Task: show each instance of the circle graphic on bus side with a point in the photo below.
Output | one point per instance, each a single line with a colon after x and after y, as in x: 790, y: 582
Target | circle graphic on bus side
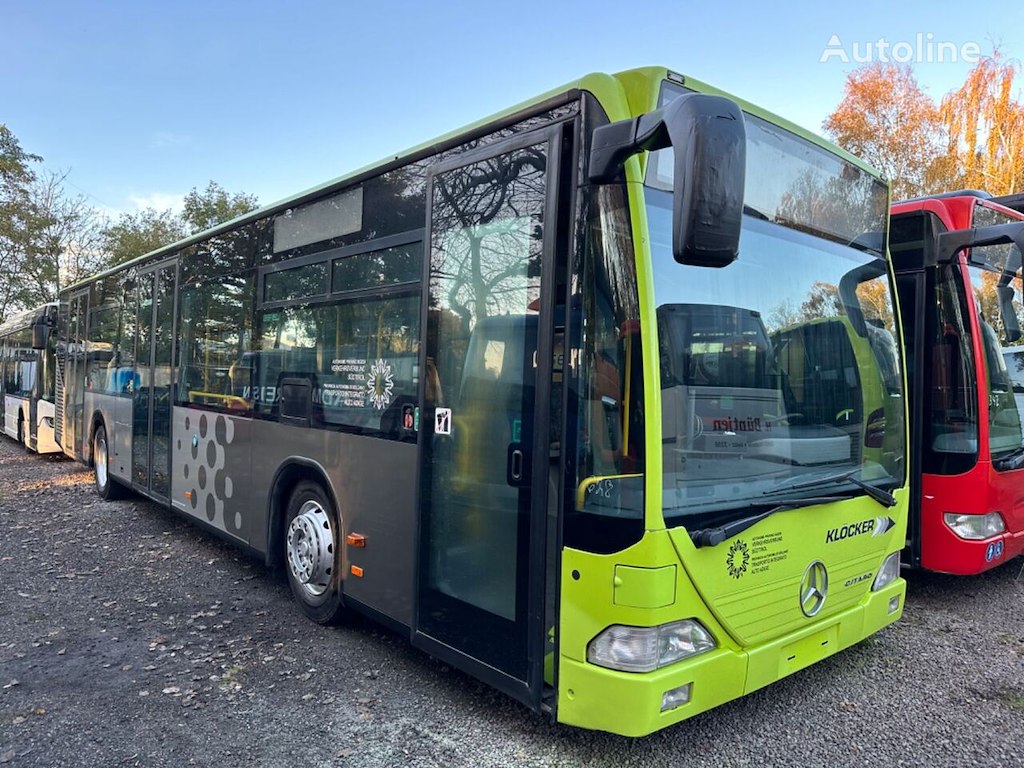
x: 202, y: 459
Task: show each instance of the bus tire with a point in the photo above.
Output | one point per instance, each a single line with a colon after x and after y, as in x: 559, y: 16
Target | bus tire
x: 107, y: 488
x: 312, y: 553
x: 22, y: 437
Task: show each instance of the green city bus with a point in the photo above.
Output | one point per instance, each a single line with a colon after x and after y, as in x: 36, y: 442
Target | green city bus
x: 516, y: 394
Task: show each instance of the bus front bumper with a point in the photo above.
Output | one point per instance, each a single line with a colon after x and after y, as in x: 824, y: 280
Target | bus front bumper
x: 630, y: 704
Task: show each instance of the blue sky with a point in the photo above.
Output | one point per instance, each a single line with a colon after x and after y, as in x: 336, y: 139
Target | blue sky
x: 142, y: 101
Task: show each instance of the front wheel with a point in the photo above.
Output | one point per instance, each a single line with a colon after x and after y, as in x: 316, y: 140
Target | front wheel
x: 313, y: 553
x: 106, y: 487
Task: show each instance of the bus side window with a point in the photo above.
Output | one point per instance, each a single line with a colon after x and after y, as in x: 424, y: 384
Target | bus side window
x: 945, y: 364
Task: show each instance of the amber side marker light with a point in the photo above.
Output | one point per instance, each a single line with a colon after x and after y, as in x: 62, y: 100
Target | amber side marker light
x: 356, y: 540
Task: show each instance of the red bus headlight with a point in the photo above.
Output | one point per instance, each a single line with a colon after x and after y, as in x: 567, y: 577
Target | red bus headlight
x: 975, y: 527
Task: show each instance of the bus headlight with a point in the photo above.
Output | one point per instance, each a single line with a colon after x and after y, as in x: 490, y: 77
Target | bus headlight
x: 975, y: 527
x: 645, y: 649
x: 48, y: 421
x: 887, y: 573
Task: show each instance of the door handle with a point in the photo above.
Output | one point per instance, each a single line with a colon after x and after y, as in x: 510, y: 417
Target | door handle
x: 515, y: 467
x: 517, y: 470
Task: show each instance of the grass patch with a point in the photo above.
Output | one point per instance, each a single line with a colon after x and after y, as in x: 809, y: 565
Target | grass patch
x: 1012, y: 697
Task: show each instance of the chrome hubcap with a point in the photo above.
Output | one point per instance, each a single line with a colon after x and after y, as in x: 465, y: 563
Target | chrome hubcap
x: 101, y: 462
x: 311, y: 548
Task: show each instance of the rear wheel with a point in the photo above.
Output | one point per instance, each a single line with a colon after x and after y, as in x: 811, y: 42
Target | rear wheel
x: 23, y: 435
x: 312, y: 553
x: 106, y: 486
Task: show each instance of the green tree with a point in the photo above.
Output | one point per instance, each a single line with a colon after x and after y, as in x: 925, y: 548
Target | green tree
x: 213, y: 206
x: 139, y: 233
x: 62, y: 243
x: 135, y: 234
x: 16, y: 178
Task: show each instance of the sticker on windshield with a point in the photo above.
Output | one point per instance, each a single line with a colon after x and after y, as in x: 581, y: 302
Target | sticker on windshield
x: 443, y: 421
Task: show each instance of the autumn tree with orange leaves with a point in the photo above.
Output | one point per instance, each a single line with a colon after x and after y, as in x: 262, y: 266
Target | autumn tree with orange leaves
x: 973, y: 138
x: 886, y: 119
x: 985, y: 128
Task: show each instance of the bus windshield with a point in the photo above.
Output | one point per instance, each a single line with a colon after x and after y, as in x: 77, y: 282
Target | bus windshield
x: 782, y: 367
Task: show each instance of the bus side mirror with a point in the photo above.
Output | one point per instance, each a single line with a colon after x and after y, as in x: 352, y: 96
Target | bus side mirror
x: 951, y: 243
x: 40, y: 335
x: 1011, y: 325
x: 848, y: 285
x: 708, y: 136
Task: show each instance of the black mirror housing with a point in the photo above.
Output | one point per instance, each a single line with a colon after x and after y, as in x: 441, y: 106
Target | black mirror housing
x: 708, y: 136
x: 40, y: 335
x: 1011, y: 325
x: 951, y: 243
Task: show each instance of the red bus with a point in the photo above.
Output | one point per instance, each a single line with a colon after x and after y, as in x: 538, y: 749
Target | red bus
x: 961, y: 315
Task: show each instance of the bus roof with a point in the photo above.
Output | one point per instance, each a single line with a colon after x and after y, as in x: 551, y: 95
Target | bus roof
x: 26, y: 318
x: 623, y: 95
x: 954, y: 208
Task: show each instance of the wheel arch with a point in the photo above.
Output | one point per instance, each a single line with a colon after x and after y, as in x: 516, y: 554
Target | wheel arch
x: 24, y: 428
x: 292, y: 471
x: 96, y: 420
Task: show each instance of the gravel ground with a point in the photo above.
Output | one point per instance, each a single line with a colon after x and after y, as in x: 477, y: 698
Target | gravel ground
x: 128, y: 637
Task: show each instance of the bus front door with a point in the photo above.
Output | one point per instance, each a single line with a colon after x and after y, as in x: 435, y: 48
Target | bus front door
x: 153, y: 380
x: 487, y: 379
x: 74, y: 375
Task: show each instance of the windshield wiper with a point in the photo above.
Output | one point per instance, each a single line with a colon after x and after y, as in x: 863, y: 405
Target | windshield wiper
x: 750, y: 211
x: 710, y: 537
x: 1012, y: 460
x: 880, y: 495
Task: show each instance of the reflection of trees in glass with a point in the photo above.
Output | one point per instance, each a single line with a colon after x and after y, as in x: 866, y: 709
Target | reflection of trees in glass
x: 984, y: 285
x: 389, y: 266
x: 823, y: 300
x: 876, y: 301
x: 362, y: 329
x: 841, y: 208
x: 987, y: 301
x: 296, y: 283
x: 215, y: 332
x: 487, y: 234
x: 1013, y: 357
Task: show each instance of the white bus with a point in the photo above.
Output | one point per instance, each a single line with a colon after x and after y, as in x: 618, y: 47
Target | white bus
x: 27, y: 355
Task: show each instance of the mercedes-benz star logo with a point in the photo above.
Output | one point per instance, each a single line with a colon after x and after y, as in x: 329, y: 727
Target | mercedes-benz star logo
x: 813, y: 588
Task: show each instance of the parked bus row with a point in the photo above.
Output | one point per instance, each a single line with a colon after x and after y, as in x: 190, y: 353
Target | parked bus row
x: 600, y: 400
